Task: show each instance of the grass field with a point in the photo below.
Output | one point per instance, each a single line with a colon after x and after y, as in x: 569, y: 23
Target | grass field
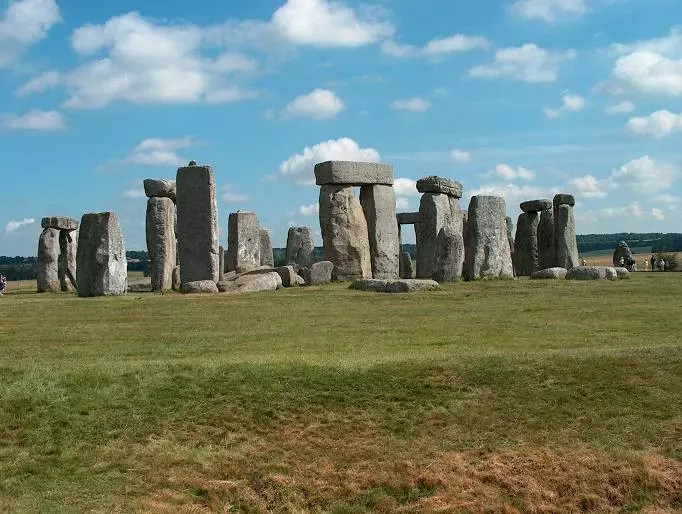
x: 494, y: 396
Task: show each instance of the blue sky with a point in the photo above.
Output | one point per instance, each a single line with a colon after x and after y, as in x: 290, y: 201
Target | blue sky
x: 521, y: 98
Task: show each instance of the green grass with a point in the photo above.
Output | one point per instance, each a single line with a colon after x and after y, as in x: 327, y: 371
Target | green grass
x: 536, y: 396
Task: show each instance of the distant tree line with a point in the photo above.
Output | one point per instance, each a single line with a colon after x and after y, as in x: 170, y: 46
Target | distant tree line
x: 594, y: 242
x: 668, y: 243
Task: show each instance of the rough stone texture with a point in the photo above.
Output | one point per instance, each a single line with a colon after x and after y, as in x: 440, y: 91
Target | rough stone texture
x: 439, y: 185
x: 510, y: 237
x: 318, y: 274
x: 623, y: 251
x: 221, y: 264
x: 300, y: 246
x: 288, y: 275
x: 564, y: 199
x: 449, y: 255
x: 435, y: 212
x: 611, y: 273
x: 199, y: 287
x: 465, y: 237
x: 101, y: 256
x: 270, y: 281
x: 395, y: 286
x: 197, y: 224
x: 488, y: 252
x: 406, y: 265
x: 267, y: 258
x: 566, y: 244
x: 526, y: 257
x: 407, y: 218
x: 68, y: 248
x: 176, y: 278
x: 557, y: 273
x: 48, y: 261
x: 155, y: 188
x: 546, y: 251
x: 227, y: 286
x: 243, y: 242
x: 59, y: 223
x: 592, y: 273
x: 353, y: 173
x: 344, y: 233
x: 622, y: 273
x: 378, y: 204
x: 537, y: 205
x: 161, y: 243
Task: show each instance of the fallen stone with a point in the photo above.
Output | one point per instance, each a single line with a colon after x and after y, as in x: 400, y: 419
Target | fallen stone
x: 318, y: 274
x: 378, y: 204
x: 199, y: 287
x: 300, y: 246
x: 449, y: 255
x: 488, y: 251
x: 536, y: 205
x: 407, y: 218
x: 259, y: 282
x: 592, y: 273
x: 288, y: 275
x: 140, y: 287
x: 564, y: 199
x: 623, y: 273
x: 439, y: 185
x: 161, y: 242
x: 611, y: 273
x: 59, y: 223
x: 394, y: 286
x: 227, y: 286
x: 244, y: 278
x: 156, y: 188
x: 406, y: 266
x: 243, y: 242
x: 549, y: 273
x: 353, y: 173
x: 68, y: 249
x: 267, y: 257
x: 48, y: 261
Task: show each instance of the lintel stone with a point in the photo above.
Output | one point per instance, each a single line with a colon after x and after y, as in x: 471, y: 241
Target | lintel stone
x: 536, y: 205
x: 408, y: 218
x: 441, y: 185
x: 59, y: 223
x: 353, y: 173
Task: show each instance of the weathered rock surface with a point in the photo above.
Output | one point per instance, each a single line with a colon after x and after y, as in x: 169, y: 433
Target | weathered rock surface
x: 591, y: 273
x: 243, y: 242
x: 439, y: 185
x: 407, y: 218
x: 197, y: 226
x: 488, y: 252
x: 156, y: 188
x: 510, y: 237
x: 406, y: 266
x: 564, y: 199
x: 199, y: 287
x: 300, y: 246
x: 611, y: 273
x: 526, y: 256
x: 101, y: 256
x: 449, y: 255
x: 543, y: 204
x: 288, y: 276
x: 267, y: 258
x: 227, y: 286
x: 549, y: 273
x: 318, y: 274
x: 68, y: 248
x: 395, y: 286
x: 176, y: 278
x: 161, y: 242
x: 623, y: 257
x: 378, y: 204
x: 566, y: 244
x: 546, y: 251
x: 344, y: 233
x: 435, y: 212
x: 48, y: 261
x: 221, y: 263
x: 622, y: 273
x: 353, y: 173
x: 59, y: 223
x: 269, y: 281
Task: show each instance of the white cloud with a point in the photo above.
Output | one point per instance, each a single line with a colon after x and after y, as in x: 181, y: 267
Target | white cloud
x: 320, y: 104
x: 23, y: 24
x: 402, y: 204
x: 460, y: 156
x: 657, y: 214
x: 570, y: 102
x: 646, y: 175
x: 549, y: 10
x: 658, y: 124
x: 41, y: 83
x: 412, y: 104
x: 308, y: 210
x: 405, y: 187
x: 35, y: 120
x: 512, y: 193
x: 527, y: 63
x: 160, y: 152
x: 551, y: 113
x: 13, y: 226
x: 229, y: 195
x: 633, y: 210
x: 587, y: 186
x: 623, y: 107
x: 299, y: 167
x: 436, y: 47
x: 135, y: 192
x: 506, y: 172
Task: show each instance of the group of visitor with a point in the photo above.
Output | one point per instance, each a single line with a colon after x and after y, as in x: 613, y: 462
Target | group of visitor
x: 659, y: 264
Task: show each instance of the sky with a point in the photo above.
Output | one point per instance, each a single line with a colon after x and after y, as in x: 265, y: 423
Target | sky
x: 516, y: 98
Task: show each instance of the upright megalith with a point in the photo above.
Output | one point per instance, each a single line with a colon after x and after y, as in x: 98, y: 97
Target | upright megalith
x: 623, y: 257
x: 197, y: 225
x: 449, y: 255
x: 526, y: 258
x: 546, y: 250
x: 488, y: 252
x: 378, y: 204
x: 48, y: 261
x: 267, y: 258
x: 406, y: 265
x: 101, y: 256
x: 300, y: 246
x: 221, y: 263
x: 243, y: 242
x: 345, y: 236
x: 161, y: 243
x: 565, y: 241
x: 68, y: 248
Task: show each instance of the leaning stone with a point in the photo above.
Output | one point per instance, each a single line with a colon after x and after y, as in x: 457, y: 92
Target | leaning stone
x: 395, y: 286
x: 407, y: 218
x: 197, y: 230
x: 353, y: 173
x: 101, y: 256
x: 199, y: 287
x: 68, y: 248
x: 243, y: 242
x: 155, y: 188
x: 435, y: 212
x: 549, y: 273
x: 546, y: 250
x: 48, y: 261
x: 344, y: 233
x: 288, y: 275
x: 526, y: 258
x: 439, y: 185
x: 622, y: 273
x: 161, y: 242
x: 318, y: 274
x: 565, y: 241
x: 59, y: 223
x: 259, y: 282
x: 536, y: 205
x: 449, y: 255
x: 267, y: 257
x: 406, y: 265
x: 300, y: 246
x: 378, y: 204
x: 488, y: 252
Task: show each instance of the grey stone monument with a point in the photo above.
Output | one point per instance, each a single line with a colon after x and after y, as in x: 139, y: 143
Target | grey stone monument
x: 243, y: 242
x: 488, y: 252
x: 161, y: 242
x: 300, y: 246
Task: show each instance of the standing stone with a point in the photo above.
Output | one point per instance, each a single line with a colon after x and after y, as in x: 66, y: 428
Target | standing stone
x: 406, y: 266
x: 525, y: 257
x: 221, y: 264
x: 449, y: 255
x: 510, y: 231
x: 344, y: 233
x: 623, y: 252
x: 300, y: 246
x: 465, y: 237
x: 197, y: 224
x: 435, y: 211
x: 267, y: 257
x: 378, y: 204
x: 68, y: 247
x: 48, y: 261
x: 161, y: 243
x: 176, y: 278
x: 318, y: 274
x: 566, y: 245
x: 546, y: 251
x: 243, y: 242
x: 488, y: 253
x: 101, y: 256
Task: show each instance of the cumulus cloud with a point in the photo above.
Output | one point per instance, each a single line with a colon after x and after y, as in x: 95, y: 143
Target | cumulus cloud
x: 300, y: 167
x: 570, y: 103
x: 42, y: 82
x: 506, y: 172
x: 646, y: 175
x: 623, y: 107
x: 160, y: 152
x: 527, y: 63
x: 512, y: 193
x: 588, y: 187
x: 228, y: 194
x: 632, y: 210
x: 412, y: 104
x: 35, y: 119
x: 308, y: 210
x: 13, y: 226
x: 659, y: 124
x: 320, y: 104
x: 657, y: 214
x: 405, y: 187
x: 23, y: 24
x: 460, y: 156
x: 549, y: 10
x: 136, y: 192
x: 436, y: 47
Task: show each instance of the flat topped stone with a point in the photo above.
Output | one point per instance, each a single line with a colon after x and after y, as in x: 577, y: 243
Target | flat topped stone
x: 442, y: 185
x: 408, y: 218
x: 159, y: 188
x: 550, y: 273
x: 59, y: 223
x: 536, y: 205
x: 592, y: 273
x: 395, y: 286
x: 353, y: 173
x: 564, y: 199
